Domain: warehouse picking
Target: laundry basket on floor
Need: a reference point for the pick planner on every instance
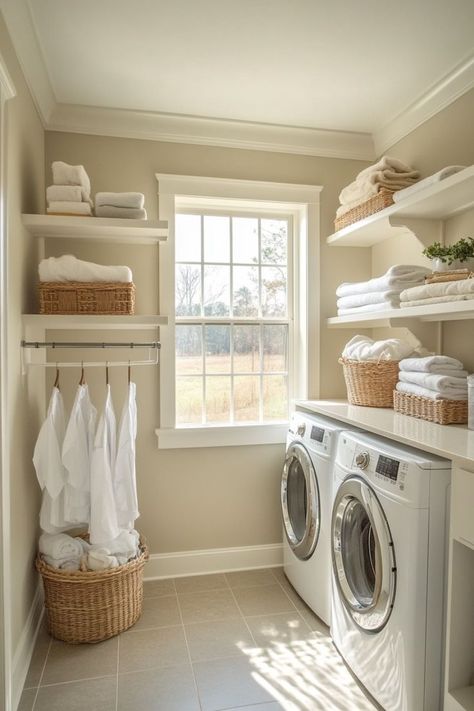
(91, 606)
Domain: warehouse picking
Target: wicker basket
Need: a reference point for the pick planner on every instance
(74, 297)
(93, 606)
(370, 384)
(444, 412)
(384, 198)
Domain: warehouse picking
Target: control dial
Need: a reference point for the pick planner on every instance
(362, 460)
(301, 429)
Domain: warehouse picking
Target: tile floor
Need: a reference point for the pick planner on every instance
(242, 641)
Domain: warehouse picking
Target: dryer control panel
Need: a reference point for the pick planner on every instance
(312, 433)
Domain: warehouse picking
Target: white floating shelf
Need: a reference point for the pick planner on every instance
(460, 699)
(97, 228)
(454, 311)
(437, 202)
(93, 322)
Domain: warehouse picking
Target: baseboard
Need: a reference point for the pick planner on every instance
(24, 650)
(215, 560)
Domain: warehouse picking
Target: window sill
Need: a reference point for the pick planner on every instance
(222, 436)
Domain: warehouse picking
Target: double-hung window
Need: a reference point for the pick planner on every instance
(233, 281)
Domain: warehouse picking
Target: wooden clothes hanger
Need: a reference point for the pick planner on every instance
(82, 381)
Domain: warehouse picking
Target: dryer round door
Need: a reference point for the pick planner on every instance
(300, 501)
(363, 555)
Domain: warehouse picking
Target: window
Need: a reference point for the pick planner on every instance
(233, 282)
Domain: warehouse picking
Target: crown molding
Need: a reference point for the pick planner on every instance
(440, 95)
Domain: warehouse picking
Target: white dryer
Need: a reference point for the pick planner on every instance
(306, 495)
(388, 546)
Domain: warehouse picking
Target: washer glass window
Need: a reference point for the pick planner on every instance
(297, 499)
(300, 501)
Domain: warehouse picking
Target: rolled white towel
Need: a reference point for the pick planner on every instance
(363, 348)
(101, 559)
(60, 546)
(412, 389)
(372, 297)
(126, 544)
(127, 213)
(68, 268)
(397, 278)
(135, 201)
(67, 193)
(65, 174)
(438, 364)
(426, 182)
(433, 381)
(63, 563)
(63, 207)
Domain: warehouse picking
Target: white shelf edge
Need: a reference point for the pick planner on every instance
(454, 311)
(97, 228)
(93, 322)
(460, 699)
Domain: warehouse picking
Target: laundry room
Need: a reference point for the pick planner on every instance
(237, 363)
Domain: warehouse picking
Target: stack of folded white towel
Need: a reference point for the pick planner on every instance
(436, 293)
(426, 182)
(128, 205)
(65, 552)
(380, 293)
(68, 268)
(364, 349)
(388, 173)
(70, 193)
(436, 377)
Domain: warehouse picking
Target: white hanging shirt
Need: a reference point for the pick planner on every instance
(49, 467)
(76, 456)
(125, 484)
(103, 518)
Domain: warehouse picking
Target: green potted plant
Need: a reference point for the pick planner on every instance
(462, 253)
(439, 255)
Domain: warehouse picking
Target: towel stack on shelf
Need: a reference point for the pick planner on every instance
(128, 205)
(67, 268)
(366, 350)
(388, 173)
(427, 182)
(435, 377)
(381, 293)
(439, 291)
(70, 192)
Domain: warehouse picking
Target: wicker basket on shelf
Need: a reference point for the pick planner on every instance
(443, 412)
(92, 606)
(383, 199)
(370, 384)
(73, 297)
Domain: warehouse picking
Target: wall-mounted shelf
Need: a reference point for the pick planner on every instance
(454, 311)
(93, 322)
(460, 699)
(430, 206)
(97, 228)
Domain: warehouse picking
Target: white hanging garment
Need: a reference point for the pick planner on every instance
(125, 484)
(103, 518)
(49, 467)
(76, 455)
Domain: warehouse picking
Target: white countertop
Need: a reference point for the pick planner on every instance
(454, 442)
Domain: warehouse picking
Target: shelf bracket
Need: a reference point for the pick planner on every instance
(425, 230)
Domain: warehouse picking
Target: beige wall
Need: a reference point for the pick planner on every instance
(25, 185)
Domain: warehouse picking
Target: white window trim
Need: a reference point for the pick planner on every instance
(302, 202)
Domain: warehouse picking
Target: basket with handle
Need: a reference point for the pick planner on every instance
(370, 384)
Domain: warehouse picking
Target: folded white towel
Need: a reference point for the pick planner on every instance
(68, 268)
(443, 288)
(67, 193)
(440, 383)
(65, 174)
(439, 364)
(372, 297)
(412, 389)
(386, 163)
(63, 207)
(101, 559)
(387, 172)
(370, 308)
(436, 300)
(359, 192)
(125, 213)
(364, 348)
(63, 563)
(60, 546)
(130, 200)
(397, 278)
(426, 182)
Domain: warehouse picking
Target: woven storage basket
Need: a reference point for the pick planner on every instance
(370, 384)
(74, 297)
(384, 198)
(93, 606)
(444, 412)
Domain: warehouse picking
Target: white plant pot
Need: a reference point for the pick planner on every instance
(437, 265)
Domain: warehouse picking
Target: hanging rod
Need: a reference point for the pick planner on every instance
(96, 364)
(93, 344)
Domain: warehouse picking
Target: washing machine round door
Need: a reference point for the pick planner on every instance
(363, 555)
(300, 501)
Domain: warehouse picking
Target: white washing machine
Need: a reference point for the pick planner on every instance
(306, 496)
(388, 547)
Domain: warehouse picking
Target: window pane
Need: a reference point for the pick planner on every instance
(216, 239)
(245, 239)
(245, 297)
(217, 349)
(274, 241)
(246, 397)
(275, 397)
(188, 238)
(188, 400)
(216, 291)
(274, 291)
(246, 349)
(218, 398)
(188, 290)
(275, 339)
(188, 350)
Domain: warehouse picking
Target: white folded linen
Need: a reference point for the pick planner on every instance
(63, 207)
(68, 268)
(68, 193)
(360, 192)
(363, 348)
(63, 563)
(436, 300)
(433, 381)
(426, 182)
(412, 389)
(130, 200)
(101, 559)
(126, 213)
(397, 278)
(65, 174)
(388, 172)
(443, 288)
(372, 297)
(370, 308)
(125, 545)
(60, 546)
(439, 364)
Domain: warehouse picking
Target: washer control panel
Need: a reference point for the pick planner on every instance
(314, 435)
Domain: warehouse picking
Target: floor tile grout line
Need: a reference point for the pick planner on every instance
(77, 681)
(243, 617)
(42, 672)
(189, 653)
